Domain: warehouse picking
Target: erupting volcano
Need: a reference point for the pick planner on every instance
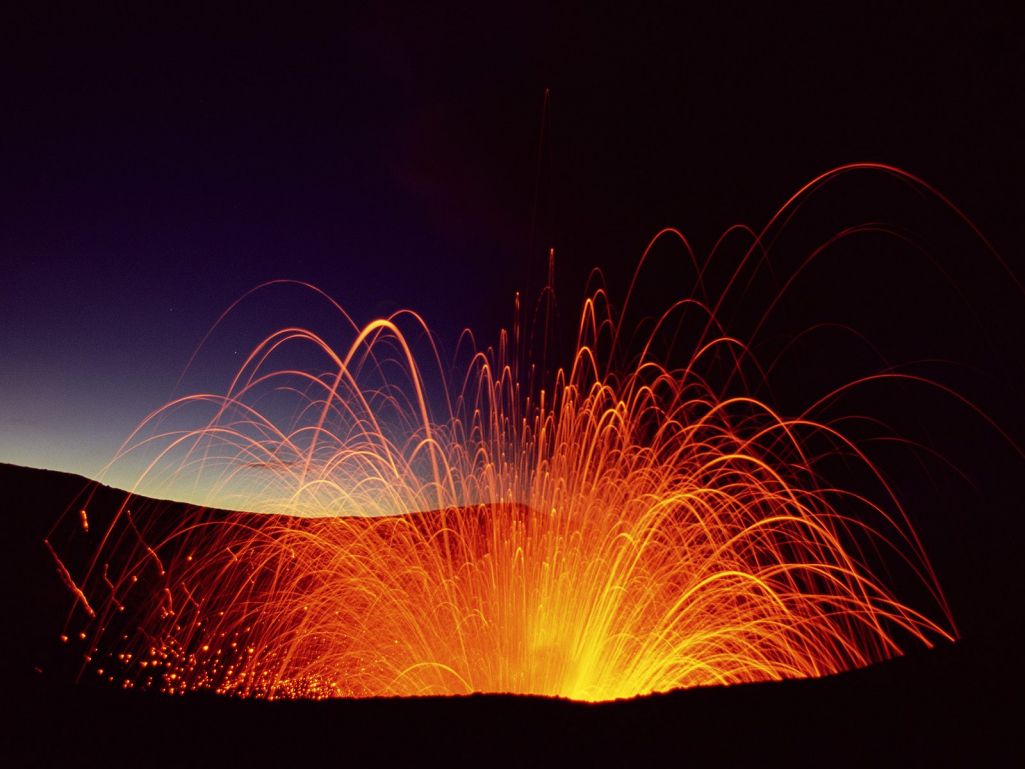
(635, 520)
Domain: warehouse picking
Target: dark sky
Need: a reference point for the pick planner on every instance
(155, 167)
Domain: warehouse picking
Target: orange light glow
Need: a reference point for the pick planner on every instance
(628, 523)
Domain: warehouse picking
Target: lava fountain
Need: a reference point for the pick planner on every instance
(627, 523)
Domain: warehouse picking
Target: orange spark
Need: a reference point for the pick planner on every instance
(610, 530)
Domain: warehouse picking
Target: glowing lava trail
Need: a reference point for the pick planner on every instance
(605, 530)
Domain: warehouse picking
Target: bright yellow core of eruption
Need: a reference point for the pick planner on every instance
(624, 530)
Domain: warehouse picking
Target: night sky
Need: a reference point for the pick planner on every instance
(154, 168)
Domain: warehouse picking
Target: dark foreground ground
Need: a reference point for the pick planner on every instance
(959, 705)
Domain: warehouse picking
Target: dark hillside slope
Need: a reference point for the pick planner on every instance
(956, 705)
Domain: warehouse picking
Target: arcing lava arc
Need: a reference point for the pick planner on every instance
(632, 521)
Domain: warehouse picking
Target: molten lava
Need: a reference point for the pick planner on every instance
(609, 530)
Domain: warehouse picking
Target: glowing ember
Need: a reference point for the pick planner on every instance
(607, 531)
